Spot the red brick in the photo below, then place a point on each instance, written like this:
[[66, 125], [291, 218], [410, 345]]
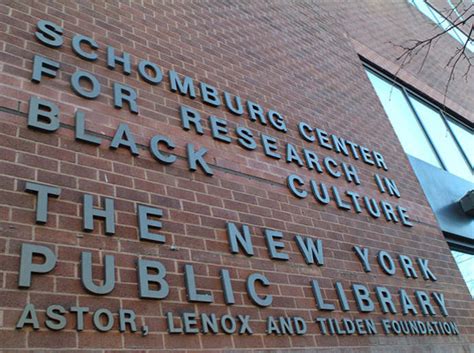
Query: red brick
[[298, 58]]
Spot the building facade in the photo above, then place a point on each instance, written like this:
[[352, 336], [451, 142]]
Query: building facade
[[216, 176]]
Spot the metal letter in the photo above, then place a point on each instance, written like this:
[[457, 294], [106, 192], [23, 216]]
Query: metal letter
[[123, 137], [190, 116], [190, 323], [79, 90], [80, 130], [351, 173], [339, 202], [318, 190], [402, 212], [229, 329], [363, 255], [372, 207], [388, 211], [362, 297], [197, 157], [425, 270], [184, 88], [27, 267], [227, 287], [160, 156], [273, 245], [245, 139], [424, 303], [293, 179], [56, 313], [124, 60], [323, 139], [42, 65], [320, 303], [49, 33], [219, 129], [306, 132], [385, 299], [28, 317], [386, 262], [379, 161], [439, 298], [406, 303], [244, 325], [366, 157], [125, 93], [191, 290], [341, 295], [407, 266], [239, 110], [77, 40], [127, 316], [292, 155], [144, 66], [43, 115], [235, 236], [311, 249], [252, 293], [80, 311], [269, 146], [144, 223], [355, 200], [109, 274], [108, 213], [99, 325], [255, 111], [209, 94], [42, 192], [276, 120], [311, 159], [328, 164], [144, 279]]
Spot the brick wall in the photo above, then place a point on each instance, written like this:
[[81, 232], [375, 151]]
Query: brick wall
[[293, 57], [378, 29]]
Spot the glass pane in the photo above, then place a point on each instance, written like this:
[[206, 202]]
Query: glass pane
[[442, 22], [465, 263], [465, 139], [404, 122], [442, 139]]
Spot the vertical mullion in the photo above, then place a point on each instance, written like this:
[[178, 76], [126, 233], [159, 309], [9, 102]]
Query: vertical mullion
[[456, 140], [407, 98]]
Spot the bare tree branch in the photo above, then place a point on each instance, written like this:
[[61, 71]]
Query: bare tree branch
[[413, 47], [458, 55], [454, 10]]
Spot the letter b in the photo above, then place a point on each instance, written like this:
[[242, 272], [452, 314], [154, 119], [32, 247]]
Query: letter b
[[43, 115]]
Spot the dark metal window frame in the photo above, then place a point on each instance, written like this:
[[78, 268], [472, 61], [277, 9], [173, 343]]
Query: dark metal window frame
[[454, 241], [446, 18], [407, 93]]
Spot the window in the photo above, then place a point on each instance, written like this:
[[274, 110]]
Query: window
[[465, 263], [424, 7], [443, 140], [423, 129], [426, 133], [465, 138], [407, 127]]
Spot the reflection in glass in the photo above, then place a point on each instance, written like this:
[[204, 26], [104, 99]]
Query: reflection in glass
[[465, 139], [465, 263], [442, 140], [445, 24], [404, 122]]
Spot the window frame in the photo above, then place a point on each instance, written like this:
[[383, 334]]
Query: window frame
[[462, 125], [444, 23], [407, 92]]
